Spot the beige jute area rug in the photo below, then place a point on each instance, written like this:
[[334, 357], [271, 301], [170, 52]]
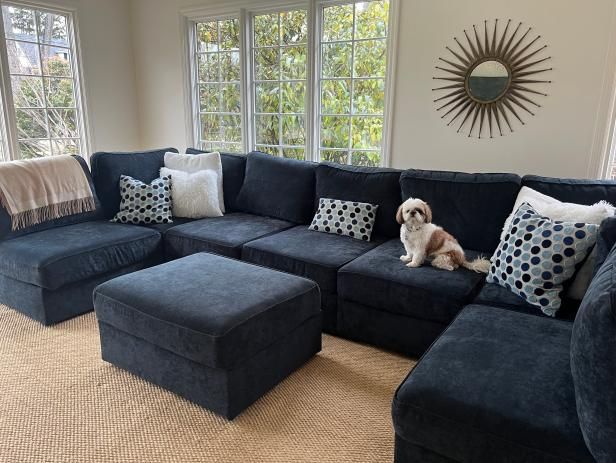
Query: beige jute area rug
[[59, 402]]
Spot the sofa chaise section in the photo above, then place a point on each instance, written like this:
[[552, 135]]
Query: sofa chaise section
[[496, 386], [36, 266]]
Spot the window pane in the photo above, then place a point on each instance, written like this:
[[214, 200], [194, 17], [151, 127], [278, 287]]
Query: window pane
[[208, 67], [366, 158], [23, 58], [293, 62], [31, 123], [370, 58], [352, 81], [28, 92], [209, 97], [335, 132], [230, 66], [294, 27], [367, 132], [207, 36], [230, 100], [371, 19], [293, 130], [59, 93], [63, 123], [273, 150], [337, 22], [336, 96], [19, 23], [293, 97], [65, 146], [266, 29], [369, 96], [52, 28], [267, 130], [56, 61], [266, 64], [30, 149], [229, 34], [267, 97], [340, 157], [219, 89], [294, 153], [337, 59]]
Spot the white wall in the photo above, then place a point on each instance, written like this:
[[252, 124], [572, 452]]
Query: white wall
[[109, 73], [559, 141]]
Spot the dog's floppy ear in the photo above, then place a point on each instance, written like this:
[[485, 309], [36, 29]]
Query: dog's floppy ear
[[399, 217], [427, 212]]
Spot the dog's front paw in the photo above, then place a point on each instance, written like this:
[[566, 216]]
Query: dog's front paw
[[413, 264], [405, 259]]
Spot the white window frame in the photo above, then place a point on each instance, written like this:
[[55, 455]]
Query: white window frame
[[62, 7], [245, 11]]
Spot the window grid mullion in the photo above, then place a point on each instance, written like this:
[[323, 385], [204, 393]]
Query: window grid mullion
[[45, 100], [280, 153], [351, 90]]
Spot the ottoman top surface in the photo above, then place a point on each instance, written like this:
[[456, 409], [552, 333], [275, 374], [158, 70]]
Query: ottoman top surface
[[205, 292]]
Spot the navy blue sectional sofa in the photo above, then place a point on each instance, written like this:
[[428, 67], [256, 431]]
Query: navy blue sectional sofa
[[497, 381]]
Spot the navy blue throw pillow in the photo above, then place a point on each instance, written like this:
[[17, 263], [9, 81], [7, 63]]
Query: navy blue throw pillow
[[537, 255]]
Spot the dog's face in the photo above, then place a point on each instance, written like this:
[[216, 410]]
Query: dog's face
[[414, 212]]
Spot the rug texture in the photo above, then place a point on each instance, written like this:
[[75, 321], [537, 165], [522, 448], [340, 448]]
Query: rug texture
[[59, 402]]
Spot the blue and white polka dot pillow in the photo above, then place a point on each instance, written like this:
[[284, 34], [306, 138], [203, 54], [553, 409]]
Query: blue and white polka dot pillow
[[537, 255]]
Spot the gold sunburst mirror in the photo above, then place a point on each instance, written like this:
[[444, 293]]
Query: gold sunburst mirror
[[491, 79]]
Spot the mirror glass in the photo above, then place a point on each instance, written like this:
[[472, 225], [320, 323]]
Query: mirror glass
[[488, 81]]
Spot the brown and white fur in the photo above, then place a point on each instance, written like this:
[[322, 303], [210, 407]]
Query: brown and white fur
[[422, 239]]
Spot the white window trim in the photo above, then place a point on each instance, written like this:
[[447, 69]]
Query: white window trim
[[69, 8], [245, 10]]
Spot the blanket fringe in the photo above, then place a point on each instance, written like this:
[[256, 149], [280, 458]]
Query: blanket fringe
[[51, 212]]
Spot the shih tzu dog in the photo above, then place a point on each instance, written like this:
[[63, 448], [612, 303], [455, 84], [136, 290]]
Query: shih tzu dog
[[422, 239]]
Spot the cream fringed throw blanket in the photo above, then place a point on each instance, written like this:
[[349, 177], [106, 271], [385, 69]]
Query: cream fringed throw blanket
[[38, 190]]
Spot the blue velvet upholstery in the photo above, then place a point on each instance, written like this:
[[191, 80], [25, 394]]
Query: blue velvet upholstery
[[605, 241], [5, 219], [108, 167], [367, 185], [495, 295], [53, 306], [593, 362], [381, 280], [218, 331], [233, 170], [220, 235], [279, 188], [573, 190], [60, 256], [496, 386], [307, 253], [472, 207]]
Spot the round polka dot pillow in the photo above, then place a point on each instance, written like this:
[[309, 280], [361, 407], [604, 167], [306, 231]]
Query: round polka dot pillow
[[346, 218], [144, 204], [537, 255]]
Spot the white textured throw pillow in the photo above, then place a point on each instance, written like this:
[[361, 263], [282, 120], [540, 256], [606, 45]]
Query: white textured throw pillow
[[192, 163], [193, 196], [567, 212]]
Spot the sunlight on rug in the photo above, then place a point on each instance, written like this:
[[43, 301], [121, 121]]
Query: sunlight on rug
[[59, 402]]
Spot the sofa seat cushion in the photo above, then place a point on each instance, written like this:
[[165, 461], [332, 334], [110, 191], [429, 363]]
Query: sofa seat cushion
[[496, 295], [209, 309], [379, 279], [307, 253], [59, 256], [220, 235], [496, 386]]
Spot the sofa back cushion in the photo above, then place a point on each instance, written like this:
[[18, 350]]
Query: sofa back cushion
[[472, 207], [279, 188], [371, 185], [233, 171], [5, 218], [108, 167], [593, 362], [573, 190]]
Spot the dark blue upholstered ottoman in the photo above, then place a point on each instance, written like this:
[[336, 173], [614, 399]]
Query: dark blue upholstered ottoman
[[217, 331]]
